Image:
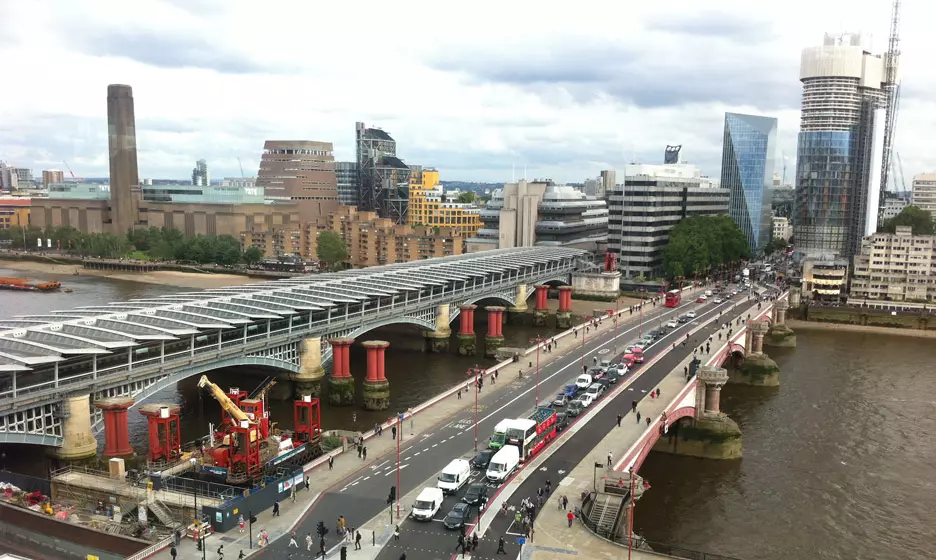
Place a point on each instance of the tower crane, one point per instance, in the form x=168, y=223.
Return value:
x=70, y=172
x=891, y=88
x=241, y=168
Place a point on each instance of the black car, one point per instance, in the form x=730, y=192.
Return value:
x=607, y=382
x=477, y=494
x=656, y=333
x=482, y=459
x=683, y=319
x=562, y=422
x=458, y=517
x=573, y=409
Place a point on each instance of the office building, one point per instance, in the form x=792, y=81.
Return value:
x=9, y=178
x=895, y=267
x=593, y=187
x=923, y=193
x=349, y=192
x=236, y=182
x=648, y=203
x=748, y=149
x=825, y=279
x=781, y=200
x=839, y=148
x=200, y=176
x=300, y=173
x=608, y=178
x=50, y=176
x=124, y=174
x=781, y=228
x=525, y=214
x=14, y=212
x=430, y=206
x=893, y=205
x=382, y=176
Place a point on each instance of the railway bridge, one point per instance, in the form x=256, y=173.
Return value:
x=62, y=372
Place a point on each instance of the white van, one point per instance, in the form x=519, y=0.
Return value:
x=708, y=293
x=503, y=463
x=583, y=381
x=427, y=504
x=454, y=476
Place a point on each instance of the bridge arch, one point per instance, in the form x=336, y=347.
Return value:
x=671, y=418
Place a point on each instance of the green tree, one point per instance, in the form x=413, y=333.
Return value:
x=466, y=197
x=699, y=244
x=776, y=244
x=252, y=256
x=331, y=249
x=921, y=221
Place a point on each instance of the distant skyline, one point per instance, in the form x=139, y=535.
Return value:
x=562, y=96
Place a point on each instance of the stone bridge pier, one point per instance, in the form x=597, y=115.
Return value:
x=308, y=382
x=495, y=334
x=710, y=434
x=520, y=301
x=756, y=368
x=780, y=335
x=438, y=340
x=78, y=438
x=564, y=315
x=467, y=340
x=341, y=384
x=541, y=311
x=376, y=386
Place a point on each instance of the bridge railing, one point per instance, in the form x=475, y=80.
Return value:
x=269, y=337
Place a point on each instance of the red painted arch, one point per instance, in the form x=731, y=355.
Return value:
x=672, y=416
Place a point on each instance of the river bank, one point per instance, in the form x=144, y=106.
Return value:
x=796, y=324
x=61, y=272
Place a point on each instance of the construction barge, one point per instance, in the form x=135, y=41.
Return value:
x=23, y=285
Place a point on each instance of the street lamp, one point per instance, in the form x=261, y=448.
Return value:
x=538, y=340
x=398, y=441
x=476, y=371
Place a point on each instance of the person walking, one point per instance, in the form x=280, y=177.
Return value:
x=321, y=548
x=275, y=509
x=359, y=449
x=461, y=543
x=474, y=542
x=633, y=406
x=548, y=486
x=364, y=453
x=638, y=418
x=396, y=533
x=619, y=417
x=648, y=420
x=393, y=432
x=292, y=540
x=571, y=517
x=500, y=546
x=331, y=462
x=357, y=541
x=308, y=542
x=240, y=523
x=307, y=484
x=173, y=552
x=221, y=552
x=565, y=501
x=610, y=458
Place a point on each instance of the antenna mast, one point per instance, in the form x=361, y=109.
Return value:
x=892, y=98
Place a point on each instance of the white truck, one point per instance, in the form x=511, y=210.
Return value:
x=746, y=273
x=427, y=504
x=503, y=463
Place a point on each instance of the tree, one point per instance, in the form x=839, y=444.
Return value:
x=466, y=197
x=921, y=221
x=700, y=243
x=252, y=256
x=331, y=249
x=776, y=244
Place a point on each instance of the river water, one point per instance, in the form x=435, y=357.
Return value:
x=839, y=461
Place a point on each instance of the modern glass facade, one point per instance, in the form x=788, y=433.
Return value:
x=748, y=152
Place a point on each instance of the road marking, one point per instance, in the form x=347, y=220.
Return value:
x=374, y=468
x=435, y=445
x=394, y=470
x=426, y=449
x=366, y=479
x=561, y=472
x=354, y=484
x=543, y=469
x=417, y=453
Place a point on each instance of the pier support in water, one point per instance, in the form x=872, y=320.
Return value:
x=308, y=382
x=341, y=384
x=541, y=311
x=520, y=301
x=165, y=436
x=711, y=434
x=116, y=431
x=438, y=340
x=78, y=439
x=780, y=335
x=495, y=333
x=564, y=315
x=376, y=386
x=467, y=340
x=757, y=368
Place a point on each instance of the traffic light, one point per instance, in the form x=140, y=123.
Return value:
x=392, y=497
x=321, y=529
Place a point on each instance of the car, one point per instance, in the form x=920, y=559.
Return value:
x=586, y=400
x=482, y=459
x=562, y=421
x=718, y=300
x=691, y=314
x=458, y=517
x=596, y=373
x=571, y=390
x=683, y=319
x=700, y=299
x=574, y=409
x=612, y=377
x=560, y=400
x=672, y=324
x=476, y=494
x=656, y=333
x=607, y=382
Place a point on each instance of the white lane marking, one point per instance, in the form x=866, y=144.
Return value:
x=376, y=467
x=435, y=445
x=394, y=470
x=366, y=479
x=417, y=453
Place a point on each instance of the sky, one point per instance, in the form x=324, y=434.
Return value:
x=482, y=90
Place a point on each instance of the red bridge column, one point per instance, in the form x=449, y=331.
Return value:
x=467, y=341
x=495, y=333
x=165, y=440
x=376, y=386
x=541, y=312
x=116, y=433
x=564, y=315
x=341, y=384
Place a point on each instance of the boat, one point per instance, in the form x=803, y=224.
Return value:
x=7, y=283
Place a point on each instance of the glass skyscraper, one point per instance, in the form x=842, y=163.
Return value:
x=748, y=152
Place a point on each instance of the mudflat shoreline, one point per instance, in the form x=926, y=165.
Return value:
x=817, y=326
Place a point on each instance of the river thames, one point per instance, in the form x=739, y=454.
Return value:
x=838, y=461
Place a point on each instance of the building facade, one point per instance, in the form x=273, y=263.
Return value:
x=382, y=176
x=525, y=214
x=646, y=206
x=748, y=149
x=825, y=279
x=781, y=228
x=124, y=173
x=923, y=193
x=200, y=175
x=430, y=206
x=894, y=205
x=838, y=148
x=50, y=176
x=349, y=191
x=14, y=212
x=895, y=267
x=300, y=173
x=9, y=178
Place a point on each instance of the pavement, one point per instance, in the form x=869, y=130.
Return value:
x=357, y=489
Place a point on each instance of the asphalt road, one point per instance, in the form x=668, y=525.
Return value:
x=432, y=540
x=363, y=495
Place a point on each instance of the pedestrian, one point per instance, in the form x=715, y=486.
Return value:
x=548, y=486
x=474, y=541
x=331, y=462
x=403, y=556
x=648, y=420
x=571, y=517
x=292, y=494
x=652, y=395
x=240, y=555
x=638, y=418
x=565, y=501
x=619, y=417
x=308, y=542
x=396, y=533
x=658, y=392
x=240, y=523
x=595, y=360
x=459, y=394
x=633, y=406
x=221, y=552
x=357, y=541
x=364, y=453
x=307, y=484
x=393, y=432
x=321, y=548
x=461, y=543
x=292, y=540
x=559, y=502
x=173, y=551
x=610, y=457
x=359, y=449
x=275, y=509
x=500, y=546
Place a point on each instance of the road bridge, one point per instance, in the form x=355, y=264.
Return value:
x=55, y=366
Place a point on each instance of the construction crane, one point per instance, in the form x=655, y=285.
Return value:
x=902, y=192
x=70, y=172
x=226, y=403
x=241, y=168
x=892, y=99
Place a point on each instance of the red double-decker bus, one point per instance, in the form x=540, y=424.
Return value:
x=673, y=298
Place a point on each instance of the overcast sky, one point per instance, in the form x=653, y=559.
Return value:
x=563, y=89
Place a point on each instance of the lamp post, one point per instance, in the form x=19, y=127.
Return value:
x=398, y=441
x=584, y=332
x=630, y=517
x=538, y=340
x=475, y=371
